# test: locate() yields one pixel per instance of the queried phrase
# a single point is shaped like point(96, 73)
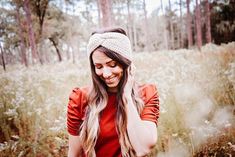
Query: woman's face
point(107, 69)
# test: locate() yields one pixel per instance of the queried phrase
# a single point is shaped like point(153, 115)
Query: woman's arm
point(142, 134)
point(75, 146)
point(76, 105)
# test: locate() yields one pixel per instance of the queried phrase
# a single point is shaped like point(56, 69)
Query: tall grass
point(196, 91)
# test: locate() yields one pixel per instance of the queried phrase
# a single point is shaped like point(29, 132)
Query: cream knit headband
point(116, 42)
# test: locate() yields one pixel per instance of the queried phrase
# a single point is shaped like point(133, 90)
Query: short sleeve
point(151, 103)
point(76, 111)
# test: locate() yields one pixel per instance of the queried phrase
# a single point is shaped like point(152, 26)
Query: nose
point(106, 72)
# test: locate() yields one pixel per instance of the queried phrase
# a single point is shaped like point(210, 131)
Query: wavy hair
point(98, 99)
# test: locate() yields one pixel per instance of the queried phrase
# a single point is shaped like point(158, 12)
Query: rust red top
point(108, 143)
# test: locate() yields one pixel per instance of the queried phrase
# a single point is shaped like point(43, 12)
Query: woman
point(115, 117)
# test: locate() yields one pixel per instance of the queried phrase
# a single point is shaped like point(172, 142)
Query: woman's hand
point(130, 82)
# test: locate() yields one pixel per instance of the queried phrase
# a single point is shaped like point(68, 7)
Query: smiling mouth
point(110, 80)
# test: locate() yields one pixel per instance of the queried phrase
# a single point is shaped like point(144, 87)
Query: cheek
point(118, 71)
point(98, 72)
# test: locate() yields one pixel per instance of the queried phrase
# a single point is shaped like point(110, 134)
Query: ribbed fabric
point(116, 42)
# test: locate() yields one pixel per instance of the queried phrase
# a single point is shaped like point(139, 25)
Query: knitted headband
point(116, 42)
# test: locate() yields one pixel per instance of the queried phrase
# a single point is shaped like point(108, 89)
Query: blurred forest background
point(186, 47)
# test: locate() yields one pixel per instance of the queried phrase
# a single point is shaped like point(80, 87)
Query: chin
point(112, 86)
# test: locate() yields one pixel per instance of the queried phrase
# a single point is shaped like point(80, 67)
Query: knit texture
point(116, 42)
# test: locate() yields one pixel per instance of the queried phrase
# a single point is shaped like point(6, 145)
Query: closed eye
point(113, 64)
point(98, 66)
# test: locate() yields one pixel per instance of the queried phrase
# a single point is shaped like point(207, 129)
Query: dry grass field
point(197, 100)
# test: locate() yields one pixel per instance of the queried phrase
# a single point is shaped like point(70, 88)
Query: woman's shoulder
point(79, 97)
point(148, 90)
point(78, 91)
point(76, 109)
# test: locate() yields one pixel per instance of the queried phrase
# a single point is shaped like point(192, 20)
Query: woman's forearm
point(75, 147)
point(142, 134)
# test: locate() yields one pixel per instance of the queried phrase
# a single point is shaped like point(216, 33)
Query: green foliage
point(223, 22)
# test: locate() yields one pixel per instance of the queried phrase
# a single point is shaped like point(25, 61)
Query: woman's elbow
point(143, 152)
point(154, 139)
point(146, 150)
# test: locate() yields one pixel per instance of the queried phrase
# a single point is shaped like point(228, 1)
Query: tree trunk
point(106, 11)
point(164, 28)
point(208, 23)
point(129, 23)
point(22, 44)
point(75, 49)
point(147, 43)
point(32, 42)
point(57, 50)
point(181, 25)
point(178, 33)
point(198, 25)
point(99, 18)
point(172, 36)
point(134, 35)
point(189, 25)
point(41, 8)
point(2, 57)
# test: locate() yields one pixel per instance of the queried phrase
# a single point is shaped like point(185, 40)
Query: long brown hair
point(97, 101)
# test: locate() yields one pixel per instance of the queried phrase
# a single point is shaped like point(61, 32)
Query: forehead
point(100, 57)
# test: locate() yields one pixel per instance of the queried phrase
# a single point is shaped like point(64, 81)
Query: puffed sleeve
point(151, 103)
point(75, 110)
